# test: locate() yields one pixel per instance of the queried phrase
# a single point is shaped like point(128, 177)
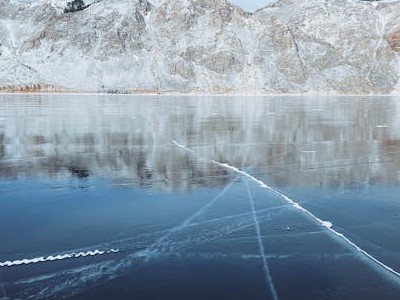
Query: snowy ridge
point(193, 46)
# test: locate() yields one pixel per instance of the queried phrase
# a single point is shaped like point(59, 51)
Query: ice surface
point(161, 243)
point(205, 232)
point(393, 274)
point(267, 272)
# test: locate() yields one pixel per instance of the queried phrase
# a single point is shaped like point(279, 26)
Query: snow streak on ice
point(56, 257)
point(326, 224)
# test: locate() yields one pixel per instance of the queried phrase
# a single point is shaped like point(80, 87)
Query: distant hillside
point(200, 46)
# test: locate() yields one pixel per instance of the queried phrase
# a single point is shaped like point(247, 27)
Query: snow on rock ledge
point(210, 46)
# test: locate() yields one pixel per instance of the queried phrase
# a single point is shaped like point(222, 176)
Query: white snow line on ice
point(42, 259)
point(326, 224)
point(267, 273)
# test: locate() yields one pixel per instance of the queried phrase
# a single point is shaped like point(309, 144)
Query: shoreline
point(212, 95)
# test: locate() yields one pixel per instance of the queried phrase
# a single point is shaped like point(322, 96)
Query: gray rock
point(210, 46)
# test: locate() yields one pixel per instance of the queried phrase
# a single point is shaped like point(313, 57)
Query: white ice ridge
point(56, 257)
point(326, 224)
point(267, 272)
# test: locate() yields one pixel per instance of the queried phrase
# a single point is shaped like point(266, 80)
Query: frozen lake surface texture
point(178, 197)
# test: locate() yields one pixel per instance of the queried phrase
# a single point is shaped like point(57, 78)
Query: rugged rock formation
point(394, 41)
point(211, 46)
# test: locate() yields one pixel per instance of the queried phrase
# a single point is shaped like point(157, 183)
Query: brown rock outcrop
point(394, 41)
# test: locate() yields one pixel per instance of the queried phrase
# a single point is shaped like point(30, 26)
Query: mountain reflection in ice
point(333, 141)
point(165, 197)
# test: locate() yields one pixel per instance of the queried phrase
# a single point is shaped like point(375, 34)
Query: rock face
point(209, 46)
point(394, 41)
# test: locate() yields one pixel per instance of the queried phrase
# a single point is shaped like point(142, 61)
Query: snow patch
point(327, 224)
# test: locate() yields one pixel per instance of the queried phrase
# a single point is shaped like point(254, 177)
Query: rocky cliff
point(205, 46)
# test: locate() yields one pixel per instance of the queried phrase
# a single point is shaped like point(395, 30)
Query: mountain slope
point(208, 46)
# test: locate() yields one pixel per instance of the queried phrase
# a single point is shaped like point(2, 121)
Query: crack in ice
point(267, 272)
point(235, 216)
point(3, 289)
point(100, 270)
point(213, 235)
point(161, 241)
point(326, 224)
point(152, 248)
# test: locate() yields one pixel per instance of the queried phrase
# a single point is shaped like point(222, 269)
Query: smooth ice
point(201, 197)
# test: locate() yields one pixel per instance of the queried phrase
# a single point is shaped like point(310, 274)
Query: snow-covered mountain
point(210, 46)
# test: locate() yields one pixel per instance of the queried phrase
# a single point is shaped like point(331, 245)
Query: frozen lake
point(175, 197)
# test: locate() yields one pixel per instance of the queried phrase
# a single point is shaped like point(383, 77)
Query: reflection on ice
point(129, 139)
